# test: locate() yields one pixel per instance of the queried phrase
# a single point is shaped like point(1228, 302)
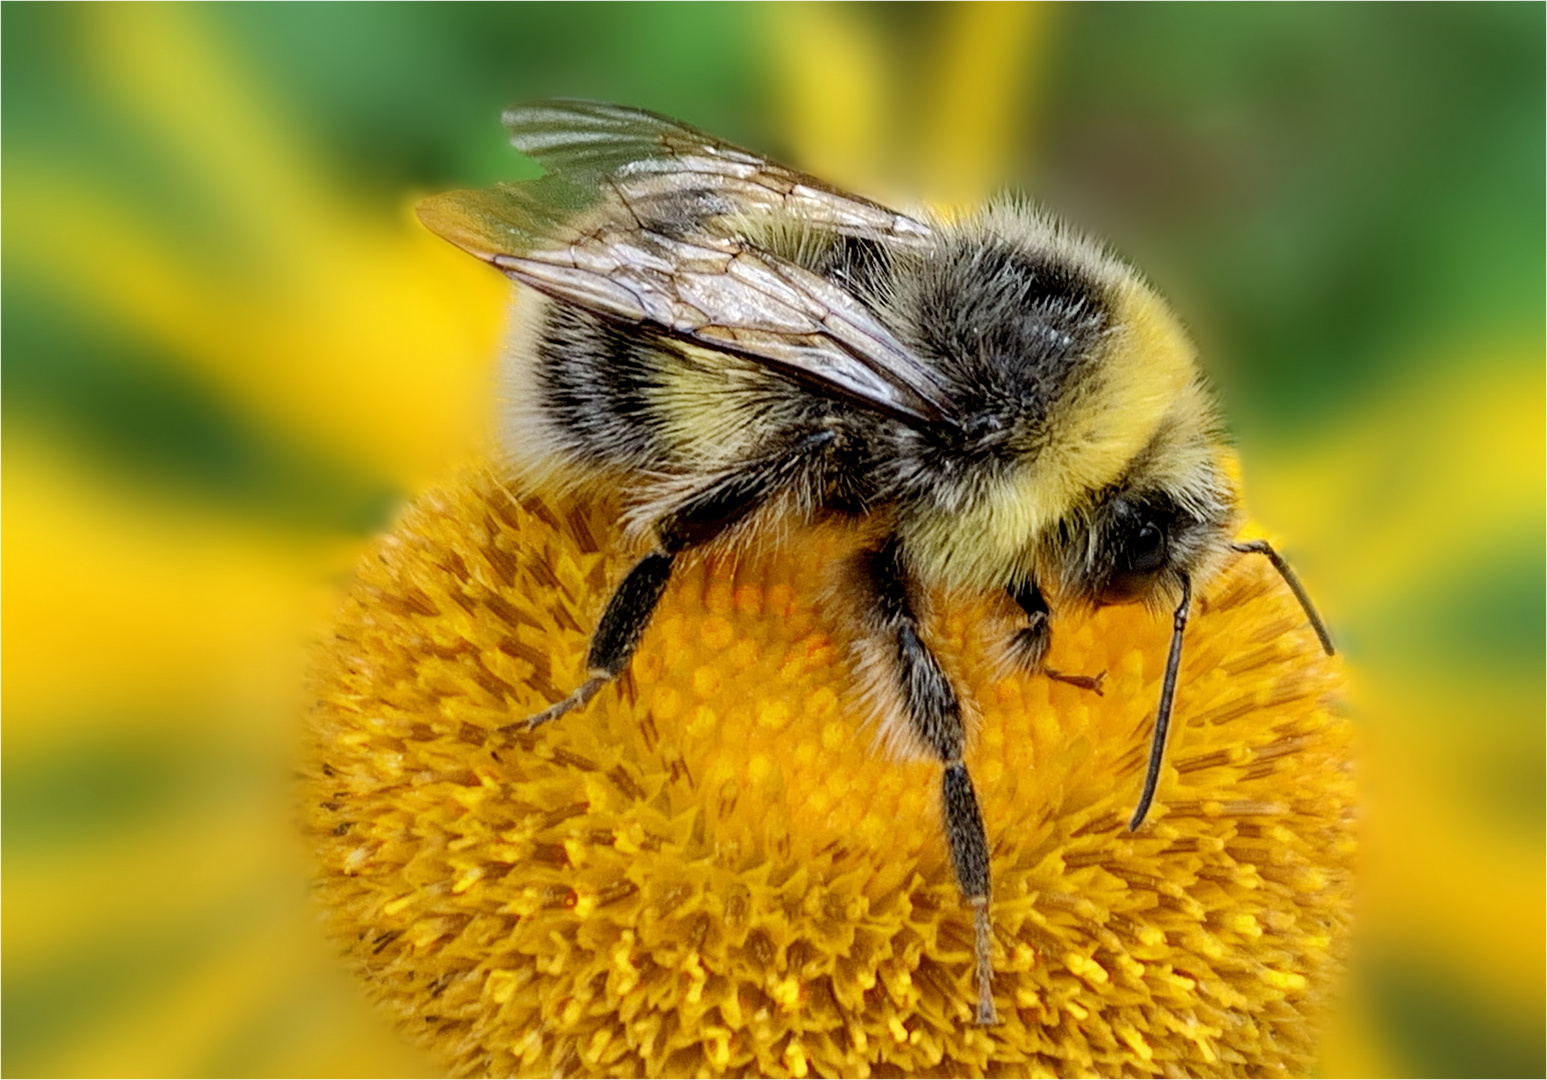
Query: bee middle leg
point(699, 519)
point(1029, 646)
point(933, 714)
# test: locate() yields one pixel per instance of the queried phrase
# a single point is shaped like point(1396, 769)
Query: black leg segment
point(929, 702)
point(969, 858)
point(617, 635)
point(933, 714)
point(697, 520)
point(964, 832)
point(1029, 646)
point(628, 613)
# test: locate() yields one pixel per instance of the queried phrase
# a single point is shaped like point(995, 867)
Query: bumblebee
point(995, 400)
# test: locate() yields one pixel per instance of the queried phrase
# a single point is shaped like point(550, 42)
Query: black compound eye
point(1147, 549)
point(1140, 549)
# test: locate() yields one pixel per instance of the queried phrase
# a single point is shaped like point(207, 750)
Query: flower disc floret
point(714, 870)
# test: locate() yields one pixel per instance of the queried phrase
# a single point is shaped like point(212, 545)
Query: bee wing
point(663, 167)
point(635, 220)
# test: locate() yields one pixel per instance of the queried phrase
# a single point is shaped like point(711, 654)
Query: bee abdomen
point(596, 382)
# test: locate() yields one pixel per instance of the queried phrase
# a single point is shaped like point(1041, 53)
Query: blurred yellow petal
point(947, 118)
point(1420, 503)
point(977, 115)
point(834, 99)
point(365, 335)
point(1437, 474)
point(193, 1027)
point(155, 632)
point(127, 601)
point(1436, 863)
point(159, 62)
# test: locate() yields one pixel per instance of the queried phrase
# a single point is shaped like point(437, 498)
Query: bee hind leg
point(1028, 648)
point(697, 520)
point(933, 715)
point(617, 635)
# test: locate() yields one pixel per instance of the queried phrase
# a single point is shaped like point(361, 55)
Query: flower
point(228, 337)
point(713, 870)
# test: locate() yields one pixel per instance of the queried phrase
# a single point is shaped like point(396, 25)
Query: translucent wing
point(653, 159)
point(637, 220)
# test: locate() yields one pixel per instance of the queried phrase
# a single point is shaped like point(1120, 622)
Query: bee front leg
point(933, 715)
point(1029, 646)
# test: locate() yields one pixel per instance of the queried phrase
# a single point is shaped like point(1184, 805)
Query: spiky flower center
point(712, 869)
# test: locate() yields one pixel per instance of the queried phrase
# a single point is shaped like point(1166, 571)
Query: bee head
point(1171, 516)
point(1141, 543)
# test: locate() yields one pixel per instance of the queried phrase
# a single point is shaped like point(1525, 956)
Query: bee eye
point(1139, 552)
point(1147, 552)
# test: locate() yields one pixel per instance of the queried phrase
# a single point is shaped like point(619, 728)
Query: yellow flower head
point(712, 869)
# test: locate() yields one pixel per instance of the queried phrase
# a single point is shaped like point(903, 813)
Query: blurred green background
point(230, 354)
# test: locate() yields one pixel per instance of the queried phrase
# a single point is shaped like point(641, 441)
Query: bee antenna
point(1262, 547)
point(1163, 714)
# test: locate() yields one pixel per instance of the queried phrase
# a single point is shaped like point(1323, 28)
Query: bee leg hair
point(968, 842)
point(934, 715)
point(699, 519)
point(1029, 646)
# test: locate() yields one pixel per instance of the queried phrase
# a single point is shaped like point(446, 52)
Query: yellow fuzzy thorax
point(710, 870)
point(1144, 378)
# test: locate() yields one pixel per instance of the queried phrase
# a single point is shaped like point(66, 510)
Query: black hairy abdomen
point(595, 379)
